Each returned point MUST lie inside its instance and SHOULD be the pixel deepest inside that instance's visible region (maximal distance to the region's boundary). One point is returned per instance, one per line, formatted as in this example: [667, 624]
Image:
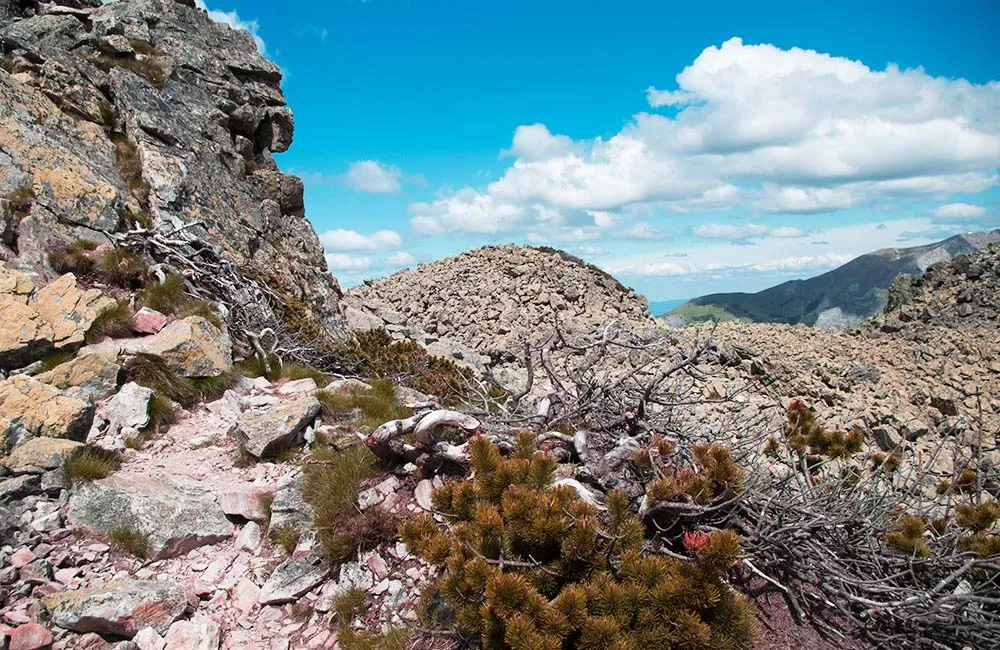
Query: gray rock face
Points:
[267, 430]
[130, 407]
[119, 607]
[177, 515]
[289, 509]
[201, 113]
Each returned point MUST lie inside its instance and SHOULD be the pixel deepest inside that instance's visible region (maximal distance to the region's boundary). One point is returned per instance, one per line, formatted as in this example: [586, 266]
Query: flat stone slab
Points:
[176, 514]
[40, 454]
[119, 607]
[292, 579]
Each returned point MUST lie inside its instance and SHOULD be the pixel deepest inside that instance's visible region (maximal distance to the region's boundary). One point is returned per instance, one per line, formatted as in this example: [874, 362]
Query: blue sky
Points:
[687, 148]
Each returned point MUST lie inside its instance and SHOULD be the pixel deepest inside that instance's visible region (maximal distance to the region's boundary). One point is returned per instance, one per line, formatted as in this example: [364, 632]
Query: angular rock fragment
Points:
[267, 430]
[120, 607]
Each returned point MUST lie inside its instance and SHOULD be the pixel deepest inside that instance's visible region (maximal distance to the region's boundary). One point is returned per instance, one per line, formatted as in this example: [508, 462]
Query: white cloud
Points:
[958, 211]
[378, 178]
[344, 262]
[400, 259]
[786, 231]
[643, 231]
[350, 240]
[233, 19]
[775, 130]
[534, 142]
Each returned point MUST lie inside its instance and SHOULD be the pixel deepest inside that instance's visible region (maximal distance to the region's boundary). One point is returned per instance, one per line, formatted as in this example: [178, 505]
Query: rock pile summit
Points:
[492, 297]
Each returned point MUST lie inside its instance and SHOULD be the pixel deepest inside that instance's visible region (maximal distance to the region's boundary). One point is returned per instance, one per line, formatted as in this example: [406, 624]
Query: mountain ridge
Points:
[842, 297]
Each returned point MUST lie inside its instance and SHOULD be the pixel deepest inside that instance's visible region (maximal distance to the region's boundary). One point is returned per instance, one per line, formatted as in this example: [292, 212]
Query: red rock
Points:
[22, 557]
[30, 636]
[148, 321]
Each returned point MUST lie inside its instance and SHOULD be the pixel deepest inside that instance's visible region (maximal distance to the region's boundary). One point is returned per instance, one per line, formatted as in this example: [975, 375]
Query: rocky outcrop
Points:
[120, 607]
[29, 408]
[38, 320]
[175, 515]
[39, 455]
[88, 377]
[492, 297]
[193, 347]
[113, 111]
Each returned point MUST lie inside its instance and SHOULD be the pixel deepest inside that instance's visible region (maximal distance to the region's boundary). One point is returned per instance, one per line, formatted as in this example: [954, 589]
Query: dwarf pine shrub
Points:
[530, 566]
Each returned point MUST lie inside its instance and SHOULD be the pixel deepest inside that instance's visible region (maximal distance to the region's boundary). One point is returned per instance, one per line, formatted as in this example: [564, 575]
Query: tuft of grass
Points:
[122, 267]
[253, 367]
[163, 296]
[161, 416]
[332, 482]
[145, 67]
[142, 47]
[153, 372]
[20, 199]
[130, 540]
[7, 64]
[302, 610]
[243, 458]
[377, 406]
[90, 463]
[128, 162]
[137, 219]
[286, 538]
[203, 308]
[114, 322]
[266, 501]
[349, 604]
[109, 118]
[74, 258]
[135, 443]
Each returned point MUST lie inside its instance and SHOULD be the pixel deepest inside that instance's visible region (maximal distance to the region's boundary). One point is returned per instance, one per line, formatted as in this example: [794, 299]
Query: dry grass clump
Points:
[146, 67]
[90, 463]
[349, 605]
[286, 538]
[114, 322]
[375, 354]
[128, 162]
[254, 367]
[55, 359]
[130, 540]
[20, 199]
[168, 297]
[153, 372]
[333, 480]
[74, 258]
[123, 268]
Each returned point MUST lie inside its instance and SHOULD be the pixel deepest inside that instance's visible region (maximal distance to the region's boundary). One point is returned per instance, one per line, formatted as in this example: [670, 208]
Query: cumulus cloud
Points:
[958, 211]
[378, 178]
[233, 19]
[344, 262]
[775, 130]
[350, 240]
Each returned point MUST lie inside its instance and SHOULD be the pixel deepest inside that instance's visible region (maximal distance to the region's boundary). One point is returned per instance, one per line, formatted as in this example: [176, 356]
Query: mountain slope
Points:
[842, 297]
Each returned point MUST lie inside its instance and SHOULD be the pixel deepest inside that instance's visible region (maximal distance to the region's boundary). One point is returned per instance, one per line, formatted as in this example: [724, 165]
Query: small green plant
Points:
[333, 480]
[122, 267]
[266, 501]
[53, 360]
[136, 442]
[376, 406]
[114, 322]
[20, 199]
[74, 258]
[161, 416]
[203, 308]
[90, 463]
[253, 367]
[136, 219]
[130, 540]
[242, 458]
[286, 538]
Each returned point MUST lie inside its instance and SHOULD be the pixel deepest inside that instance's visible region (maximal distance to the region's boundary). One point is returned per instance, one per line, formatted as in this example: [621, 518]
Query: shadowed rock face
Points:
[148, 107]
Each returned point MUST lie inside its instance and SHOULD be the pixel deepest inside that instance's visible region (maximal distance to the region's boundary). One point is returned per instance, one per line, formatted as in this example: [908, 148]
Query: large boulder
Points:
[175, 514]
[57, 316]
[119, 608]
[39, 455]
[29, 408]
[267, 430]
[88, 377]
[193, 347]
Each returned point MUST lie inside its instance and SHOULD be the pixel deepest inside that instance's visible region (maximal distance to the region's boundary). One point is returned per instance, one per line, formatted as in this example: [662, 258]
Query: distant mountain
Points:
[842, 297]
